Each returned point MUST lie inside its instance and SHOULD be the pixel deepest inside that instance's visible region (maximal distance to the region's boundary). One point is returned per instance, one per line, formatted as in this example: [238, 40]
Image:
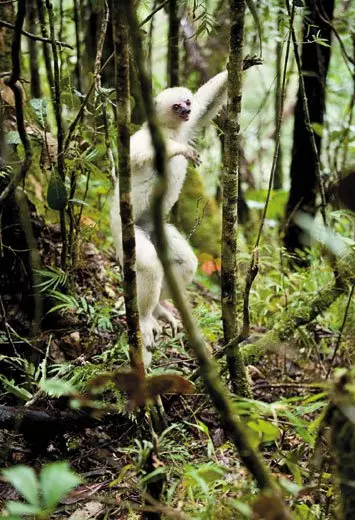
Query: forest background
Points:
[265, 432]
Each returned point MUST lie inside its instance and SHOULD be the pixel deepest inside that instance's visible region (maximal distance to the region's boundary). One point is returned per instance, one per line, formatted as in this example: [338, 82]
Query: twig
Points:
[158, 8]
[340, 335]
[347, 59]
[34, 36]
[309, 386]
[97, 76]
[82, 107]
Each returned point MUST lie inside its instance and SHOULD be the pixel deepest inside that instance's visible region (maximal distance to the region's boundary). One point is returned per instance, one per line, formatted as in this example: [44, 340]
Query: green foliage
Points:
[95, 314]
[40, 111]
[276, 207]
[56, 193]
[53, 277]
[43, 494]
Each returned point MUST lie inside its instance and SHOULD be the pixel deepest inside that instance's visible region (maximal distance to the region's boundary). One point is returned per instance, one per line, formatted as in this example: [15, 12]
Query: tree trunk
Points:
[120, 42]
[278, 179]
[36, 91]
[173, 44]
[6, 14]
[230, 198]
[315, 63]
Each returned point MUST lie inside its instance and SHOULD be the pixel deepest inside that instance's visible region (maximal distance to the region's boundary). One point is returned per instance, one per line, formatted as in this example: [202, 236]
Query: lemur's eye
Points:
[188, 102]
[176, 106]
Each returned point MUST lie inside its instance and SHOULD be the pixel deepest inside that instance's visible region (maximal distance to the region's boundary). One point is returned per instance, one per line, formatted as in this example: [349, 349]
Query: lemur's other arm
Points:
[142, 152]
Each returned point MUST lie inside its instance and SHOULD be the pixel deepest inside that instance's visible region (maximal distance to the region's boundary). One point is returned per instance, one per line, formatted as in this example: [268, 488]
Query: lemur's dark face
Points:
[182, 109]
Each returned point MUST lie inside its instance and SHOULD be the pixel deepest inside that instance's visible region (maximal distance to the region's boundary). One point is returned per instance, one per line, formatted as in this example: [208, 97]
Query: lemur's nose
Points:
[186, 111]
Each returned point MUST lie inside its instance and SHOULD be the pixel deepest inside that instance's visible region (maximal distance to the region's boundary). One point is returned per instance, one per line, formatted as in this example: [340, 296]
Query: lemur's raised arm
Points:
[207, 102]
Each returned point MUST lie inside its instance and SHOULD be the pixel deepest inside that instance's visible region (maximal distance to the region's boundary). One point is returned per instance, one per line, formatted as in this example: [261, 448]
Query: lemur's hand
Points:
[192, 155]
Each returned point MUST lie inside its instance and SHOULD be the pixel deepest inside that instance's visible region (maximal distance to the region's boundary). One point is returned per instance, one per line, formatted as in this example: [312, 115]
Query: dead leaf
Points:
[6, 94]
[141, 389]
[270, 506]
[83, 493]
[90, 510]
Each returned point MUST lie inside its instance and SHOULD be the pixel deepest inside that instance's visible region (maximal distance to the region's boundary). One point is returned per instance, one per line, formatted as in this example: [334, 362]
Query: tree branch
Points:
[35, 36]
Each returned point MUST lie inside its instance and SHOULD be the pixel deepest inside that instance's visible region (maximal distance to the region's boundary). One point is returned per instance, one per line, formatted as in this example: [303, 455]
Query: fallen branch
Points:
[25, 420]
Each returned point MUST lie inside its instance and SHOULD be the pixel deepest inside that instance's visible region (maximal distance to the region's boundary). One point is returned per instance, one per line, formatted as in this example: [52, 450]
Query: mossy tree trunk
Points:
[278, 178]
[230, 198]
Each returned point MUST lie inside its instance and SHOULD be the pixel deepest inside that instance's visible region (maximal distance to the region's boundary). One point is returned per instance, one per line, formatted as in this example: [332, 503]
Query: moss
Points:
[200, 215]
[287, 324]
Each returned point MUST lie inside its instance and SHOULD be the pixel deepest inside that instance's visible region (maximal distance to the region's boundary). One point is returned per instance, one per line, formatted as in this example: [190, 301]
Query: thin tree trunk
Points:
[173, 68]
[173, 44]
[315, 63]
[6, 14]
[120, 41]
[230, 198]
[45, 46]
[78, 64]
[32, 47]
[278, 179]
[57, 101]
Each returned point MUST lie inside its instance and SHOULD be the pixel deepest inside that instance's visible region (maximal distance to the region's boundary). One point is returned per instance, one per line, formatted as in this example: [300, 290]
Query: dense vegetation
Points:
[248, 411]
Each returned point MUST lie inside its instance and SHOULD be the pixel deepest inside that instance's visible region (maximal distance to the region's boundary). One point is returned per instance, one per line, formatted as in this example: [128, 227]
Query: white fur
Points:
[151, 286]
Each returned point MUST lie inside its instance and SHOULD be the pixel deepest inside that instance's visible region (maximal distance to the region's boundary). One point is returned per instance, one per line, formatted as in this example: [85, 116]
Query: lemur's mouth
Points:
[185, 117]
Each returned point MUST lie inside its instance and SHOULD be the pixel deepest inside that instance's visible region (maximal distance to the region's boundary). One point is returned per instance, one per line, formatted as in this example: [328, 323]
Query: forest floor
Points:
[107, 449]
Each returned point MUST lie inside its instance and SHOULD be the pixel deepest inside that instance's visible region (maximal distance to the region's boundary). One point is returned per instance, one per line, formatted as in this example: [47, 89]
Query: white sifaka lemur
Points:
[181, 115]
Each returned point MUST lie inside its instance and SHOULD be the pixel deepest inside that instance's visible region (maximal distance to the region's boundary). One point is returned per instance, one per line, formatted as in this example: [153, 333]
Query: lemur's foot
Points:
[163, 311]
[150, 329]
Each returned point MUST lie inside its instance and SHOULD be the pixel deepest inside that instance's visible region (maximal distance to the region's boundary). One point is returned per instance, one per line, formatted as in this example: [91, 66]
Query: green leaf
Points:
[268, 431]
[57, 387]
[40, 108]
[25, 481]
[211, 472]
[153, 476]
[57, 480]
[13, 137]
[18, 508]
[10, 386]
[56, 194]
[318, 129]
